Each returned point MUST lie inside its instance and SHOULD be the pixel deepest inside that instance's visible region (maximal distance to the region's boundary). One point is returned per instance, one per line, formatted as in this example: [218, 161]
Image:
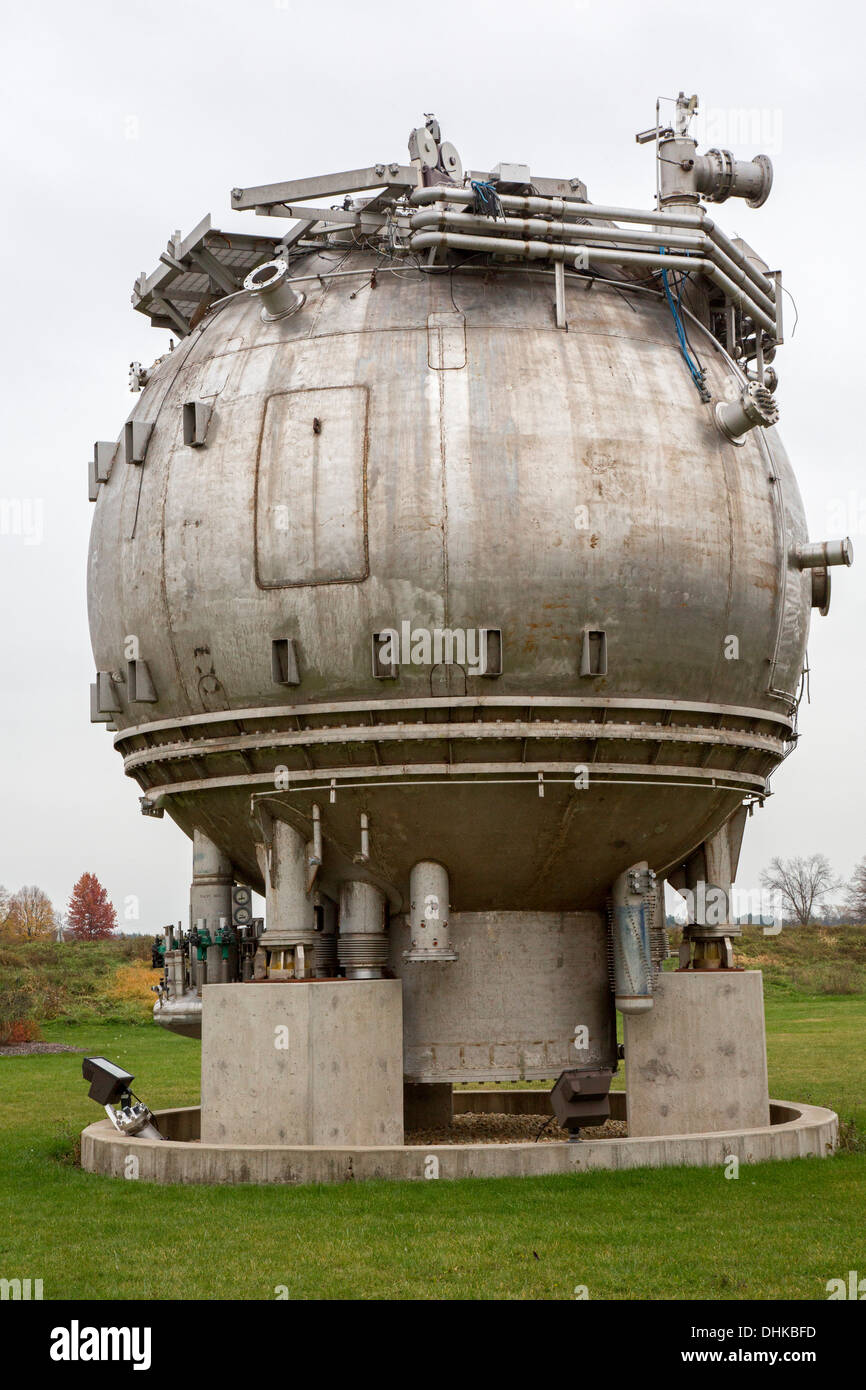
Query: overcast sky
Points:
[124, 122]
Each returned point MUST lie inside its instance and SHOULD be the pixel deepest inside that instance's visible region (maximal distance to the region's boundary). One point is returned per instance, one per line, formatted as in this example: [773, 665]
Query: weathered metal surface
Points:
[510, 1006]
[557, 480]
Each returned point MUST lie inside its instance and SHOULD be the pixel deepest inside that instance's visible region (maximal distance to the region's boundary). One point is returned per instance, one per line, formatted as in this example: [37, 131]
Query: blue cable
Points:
[696, 374]
[678, 324]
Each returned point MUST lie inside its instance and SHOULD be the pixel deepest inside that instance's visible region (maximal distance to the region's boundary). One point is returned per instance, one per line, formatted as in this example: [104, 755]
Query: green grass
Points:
[780, 1231]
[804, 961]
[816, 1052]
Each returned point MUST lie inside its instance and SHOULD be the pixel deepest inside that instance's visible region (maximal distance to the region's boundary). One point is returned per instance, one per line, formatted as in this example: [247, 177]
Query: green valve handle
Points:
[203, 942]
[224, 938]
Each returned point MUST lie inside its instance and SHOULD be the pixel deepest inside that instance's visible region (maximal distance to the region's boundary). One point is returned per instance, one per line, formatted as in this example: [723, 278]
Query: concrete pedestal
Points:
[697, 1061]
[305, 1062]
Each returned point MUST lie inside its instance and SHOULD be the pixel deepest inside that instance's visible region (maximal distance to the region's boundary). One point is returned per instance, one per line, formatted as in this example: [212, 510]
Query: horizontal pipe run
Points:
[573, 208]
[567, 207]
[542, 227]
[553, 251]
[819, 554]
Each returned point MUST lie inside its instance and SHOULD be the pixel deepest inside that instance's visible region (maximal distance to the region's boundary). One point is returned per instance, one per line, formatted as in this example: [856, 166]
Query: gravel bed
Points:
[509, 1129]
[25, 1049]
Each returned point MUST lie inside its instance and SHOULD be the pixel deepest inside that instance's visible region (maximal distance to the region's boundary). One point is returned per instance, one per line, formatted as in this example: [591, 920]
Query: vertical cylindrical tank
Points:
[210, 895]
[429, 913]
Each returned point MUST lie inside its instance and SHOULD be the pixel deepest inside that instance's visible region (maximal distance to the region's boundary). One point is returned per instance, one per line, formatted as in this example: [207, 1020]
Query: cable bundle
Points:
[697, 373]
[487, 201]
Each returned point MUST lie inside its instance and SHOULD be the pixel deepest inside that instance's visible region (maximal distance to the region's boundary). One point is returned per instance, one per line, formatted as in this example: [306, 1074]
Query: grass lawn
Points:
[780, 1231]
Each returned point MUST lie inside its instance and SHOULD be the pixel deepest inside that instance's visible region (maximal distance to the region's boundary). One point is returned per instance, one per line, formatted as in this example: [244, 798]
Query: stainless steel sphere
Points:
[430, 449]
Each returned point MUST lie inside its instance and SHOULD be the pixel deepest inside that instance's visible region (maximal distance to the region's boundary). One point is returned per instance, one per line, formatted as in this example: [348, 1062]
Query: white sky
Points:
[122, 123]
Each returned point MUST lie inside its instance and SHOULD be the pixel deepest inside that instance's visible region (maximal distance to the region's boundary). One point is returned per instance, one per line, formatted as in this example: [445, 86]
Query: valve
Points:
[225, 938]
[755, 406]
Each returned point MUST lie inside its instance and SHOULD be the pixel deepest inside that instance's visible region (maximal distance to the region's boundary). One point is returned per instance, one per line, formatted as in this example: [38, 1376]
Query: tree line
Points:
[30, 915]
[805, 883]
[809, 892]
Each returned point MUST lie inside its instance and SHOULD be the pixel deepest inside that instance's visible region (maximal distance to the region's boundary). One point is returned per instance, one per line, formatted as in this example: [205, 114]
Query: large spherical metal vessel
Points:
[450, 584]
[431, 450]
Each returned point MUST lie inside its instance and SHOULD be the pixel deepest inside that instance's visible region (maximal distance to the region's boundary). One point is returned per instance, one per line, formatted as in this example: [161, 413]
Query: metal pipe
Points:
[818, 554]
[362, 945]
[719, 176]
[317, 835]
[290, 924]
[633, 975]
[325, 949]
[539, 227]
[198, 965]
[272, 283]
[754, 407]
[175, 974]
[209, 864]
[552, 251]
[698, 220]
[210, 894]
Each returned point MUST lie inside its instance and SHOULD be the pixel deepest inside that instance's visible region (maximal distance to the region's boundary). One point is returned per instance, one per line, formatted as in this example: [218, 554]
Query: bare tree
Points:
[857, 893]
[802, 883]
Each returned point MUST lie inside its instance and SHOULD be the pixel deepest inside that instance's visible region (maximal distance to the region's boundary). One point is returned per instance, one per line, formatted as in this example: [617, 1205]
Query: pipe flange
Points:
[271, 283]
[418, 955]
[694, 931]
[759, 405]
[765, 164]
[755, 407]
[724, 179]
[266, 277]
[821, 590]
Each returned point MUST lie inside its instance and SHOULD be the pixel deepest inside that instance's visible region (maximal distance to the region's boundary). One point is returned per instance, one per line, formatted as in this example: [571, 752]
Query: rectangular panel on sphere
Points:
[311, 488]
[305, 1062]
[696, 1062]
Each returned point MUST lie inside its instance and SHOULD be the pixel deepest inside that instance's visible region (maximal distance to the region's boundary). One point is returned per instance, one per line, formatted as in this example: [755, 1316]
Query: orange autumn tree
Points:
[27, 914]
[90, 914]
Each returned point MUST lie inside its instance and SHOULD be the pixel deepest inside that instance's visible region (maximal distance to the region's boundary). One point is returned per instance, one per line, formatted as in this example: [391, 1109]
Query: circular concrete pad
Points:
[796, 1131]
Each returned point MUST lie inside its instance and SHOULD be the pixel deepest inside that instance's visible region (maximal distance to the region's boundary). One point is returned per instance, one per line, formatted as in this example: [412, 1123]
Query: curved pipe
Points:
[543, 227]
[698, 220]
[552, 251]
